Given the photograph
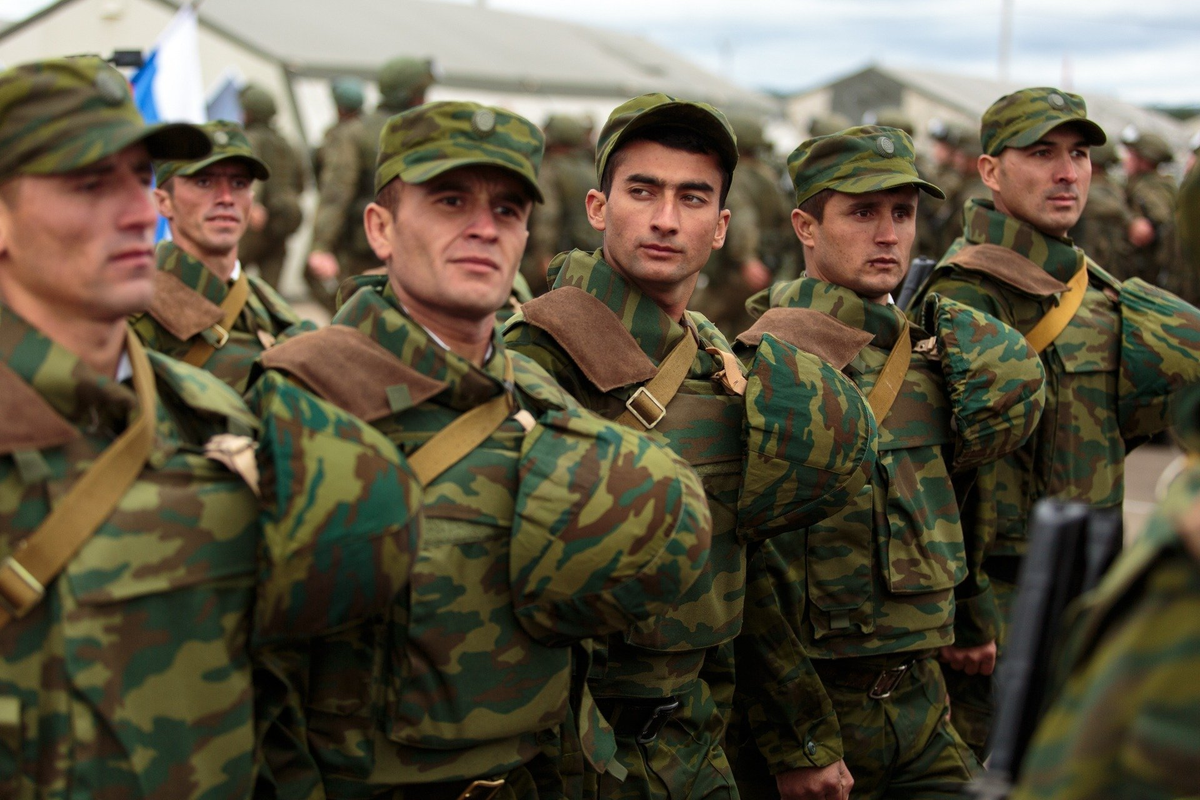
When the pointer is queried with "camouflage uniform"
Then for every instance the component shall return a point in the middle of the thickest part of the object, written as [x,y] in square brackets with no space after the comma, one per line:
[1101,229]
[188,296]
[132,676]
[1187,228]
[557,528]
[1126,723]
[667,686]
[1152,195]
[280,196]
[875,590]
[1106,391]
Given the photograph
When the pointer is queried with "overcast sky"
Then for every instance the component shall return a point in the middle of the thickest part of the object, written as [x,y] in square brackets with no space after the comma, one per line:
[1143,51]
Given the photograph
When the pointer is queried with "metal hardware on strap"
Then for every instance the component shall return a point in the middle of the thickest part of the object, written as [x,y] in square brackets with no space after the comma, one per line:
[482,789]
[642,392]
[658,718]
[19,590]
[887,681]
[222,336]
[232,305]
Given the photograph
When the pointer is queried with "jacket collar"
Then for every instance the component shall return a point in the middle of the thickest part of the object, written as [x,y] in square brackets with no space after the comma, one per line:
[884,322]
[983,224]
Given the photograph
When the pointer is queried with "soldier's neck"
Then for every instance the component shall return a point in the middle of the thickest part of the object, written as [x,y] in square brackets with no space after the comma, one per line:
[671,298]
[220,265]
[98,343]
[470,339]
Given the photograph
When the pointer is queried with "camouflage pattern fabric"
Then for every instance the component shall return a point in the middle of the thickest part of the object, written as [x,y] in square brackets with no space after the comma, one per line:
[1021,118]
[507,575]
[1125,721]
[1101,229]
[265,320]
[280,196]
[132,678]
[1152,195]
[868,158]
[657,108]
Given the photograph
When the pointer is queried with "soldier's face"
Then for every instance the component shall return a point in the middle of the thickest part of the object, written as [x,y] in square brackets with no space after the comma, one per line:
[863,241]
[453,246]
[662,217]
[1045,184]
[208,211]
[80,245]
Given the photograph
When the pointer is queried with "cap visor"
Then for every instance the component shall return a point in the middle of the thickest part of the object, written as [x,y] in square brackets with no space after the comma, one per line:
[1092,132]
[257,168]
[175,141]
[420,173]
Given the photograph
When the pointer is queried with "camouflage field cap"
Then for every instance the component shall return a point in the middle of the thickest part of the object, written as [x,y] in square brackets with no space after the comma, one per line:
[869,158]
[228,141]
[257,103]
[1149,146]
[1105,155]
[561,129]
[403,78]
[423,142]
[61,114]
[662,109]
[1022,118]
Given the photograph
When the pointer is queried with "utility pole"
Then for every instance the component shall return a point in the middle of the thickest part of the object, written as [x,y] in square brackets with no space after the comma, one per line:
[1006,32]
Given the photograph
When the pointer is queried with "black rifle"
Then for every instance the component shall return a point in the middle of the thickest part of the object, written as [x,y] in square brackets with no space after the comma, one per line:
[918,273]
[1070,547]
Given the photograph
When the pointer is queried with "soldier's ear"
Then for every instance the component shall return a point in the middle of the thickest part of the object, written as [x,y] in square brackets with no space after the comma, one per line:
[804,225]
[989,171]
[162,201]
[596,201]
[722,229]
[378,223]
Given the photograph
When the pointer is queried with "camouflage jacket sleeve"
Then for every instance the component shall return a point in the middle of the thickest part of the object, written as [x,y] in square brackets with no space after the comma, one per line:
[339,184]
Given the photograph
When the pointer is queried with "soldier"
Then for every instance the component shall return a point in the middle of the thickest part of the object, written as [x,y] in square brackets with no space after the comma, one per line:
[142,583]
[339,245]
[348,101]
[967,184]
[1115,353]
[613,330]
[276,214]
[1187,225]
[931,217]
[827,123]
[1126,723]
[207,311]
[544,525]
[1101,228]
[1151,198]
[959,391]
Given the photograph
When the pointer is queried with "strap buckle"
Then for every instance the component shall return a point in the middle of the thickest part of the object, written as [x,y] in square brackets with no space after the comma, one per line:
[482,789]
[19,590]
[887,681]
[641,392]
[222,336]
[658,718]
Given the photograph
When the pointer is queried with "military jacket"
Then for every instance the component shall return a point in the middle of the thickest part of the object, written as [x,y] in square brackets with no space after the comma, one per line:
[558,528]
[1152,195]
[338,181]
[1102,228]
[1110,374]
[132,677]
[187,306]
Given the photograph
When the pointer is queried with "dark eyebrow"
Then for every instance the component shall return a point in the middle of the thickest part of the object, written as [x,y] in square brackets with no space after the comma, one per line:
[688,186]
[649,179]
[1075,144]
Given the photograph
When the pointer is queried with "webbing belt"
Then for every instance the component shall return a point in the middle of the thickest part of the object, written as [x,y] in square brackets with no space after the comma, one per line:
[38,559]
[1056,320]
[648,405]
[887,386]
[233,304]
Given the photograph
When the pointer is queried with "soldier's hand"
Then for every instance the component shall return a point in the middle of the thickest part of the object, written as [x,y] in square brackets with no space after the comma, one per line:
[979,660]
[258,217]
[1141,232]
[323,266]
[815,783]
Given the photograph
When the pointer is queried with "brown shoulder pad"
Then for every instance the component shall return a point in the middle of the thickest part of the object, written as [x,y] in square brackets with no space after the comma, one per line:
[183,312]
[350,370]
[593,337]
[27,422]
[812,331]
[1009,267]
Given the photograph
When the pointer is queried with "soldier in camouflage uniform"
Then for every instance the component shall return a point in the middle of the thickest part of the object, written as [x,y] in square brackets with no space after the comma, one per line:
[544,525]
[146,570]
[1101,229]
[875,592]
[207,311]
[1151,198]
[1187,228]
[348,101]
[277,212]
[614,332]
[339,247]
[1126,723]
[1114,355]
[967,184]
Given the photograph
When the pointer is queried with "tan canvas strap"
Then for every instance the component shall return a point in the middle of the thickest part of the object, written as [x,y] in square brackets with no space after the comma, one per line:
[730,375]
[1055,321]
[455,441]
[648,405]
[891,378]
[233,304]
[38,559]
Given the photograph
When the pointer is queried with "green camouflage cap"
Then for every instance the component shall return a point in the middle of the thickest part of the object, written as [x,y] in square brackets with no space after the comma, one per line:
[869,158]
[1105,155]
[61,114]
[749,132]
[347,93]
[1022,118]
[426,141]
[228,141]
[564,130]
[662,109]
[1149,146]
[403,78]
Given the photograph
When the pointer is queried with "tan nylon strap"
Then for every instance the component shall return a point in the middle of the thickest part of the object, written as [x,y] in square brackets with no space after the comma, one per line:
[887,386]
[233,304]
[452,443]
[1056,320]
[648,405]
[38,559]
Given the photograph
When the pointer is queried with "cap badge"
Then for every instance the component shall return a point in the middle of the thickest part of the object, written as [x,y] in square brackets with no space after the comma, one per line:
[885,146]
[221,138]
[483,122]
[1056,100]
[111,88]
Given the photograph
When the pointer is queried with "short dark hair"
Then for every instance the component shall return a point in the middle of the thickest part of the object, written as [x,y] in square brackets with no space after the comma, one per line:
[389,196]
[815,205]
[676,137]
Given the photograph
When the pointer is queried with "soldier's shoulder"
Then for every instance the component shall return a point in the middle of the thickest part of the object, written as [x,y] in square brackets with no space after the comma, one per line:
[536,381]
[200,391]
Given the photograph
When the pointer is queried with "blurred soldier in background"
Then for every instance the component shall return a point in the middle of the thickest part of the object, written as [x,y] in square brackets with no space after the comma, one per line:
[568,173]
[1151,198]
[827,123]
[967,184]
[932,216]
[276,214]
[348,101]
[339,245]
[1106,217]
[1187,226]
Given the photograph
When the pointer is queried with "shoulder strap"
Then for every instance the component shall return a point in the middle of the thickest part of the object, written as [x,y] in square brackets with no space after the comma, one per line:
[1055,321]
[1009,267]
[887,386]
[38,559]
[648,405]
[232,306]
[812,331]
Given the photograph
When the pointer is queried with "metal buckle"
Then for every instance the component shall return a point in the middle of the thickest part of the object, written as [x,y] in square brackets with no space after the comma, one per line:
[488,789]
[658,718]
[662,411]
[18,596]
[887,681]
[222,334]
